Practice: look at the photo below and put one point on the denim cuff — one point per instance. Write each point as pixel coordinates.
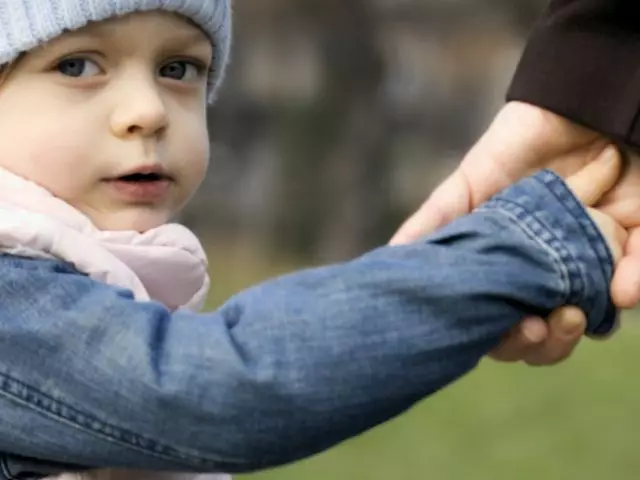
(549, 213)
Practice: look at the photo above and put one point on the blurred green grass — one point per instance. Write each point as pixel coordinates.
(575, 421)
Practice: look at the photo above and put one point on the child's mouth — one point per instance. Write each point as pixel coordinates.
(141, 187)
(142, 177)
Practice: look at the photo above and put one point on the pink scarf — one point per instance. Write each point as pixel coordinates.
(166, 264)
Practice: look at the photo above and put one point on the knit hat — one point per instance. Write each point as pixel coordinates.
(25, 24)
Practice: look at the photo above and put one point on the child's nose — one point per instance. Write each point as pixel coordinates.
(142, 114)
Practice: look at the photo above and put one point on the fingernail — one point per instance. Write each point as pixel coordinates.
(572, 326)
(609, 155)
(534, 331)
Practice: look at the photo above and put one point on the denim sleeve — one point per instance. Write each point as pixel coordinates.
(292, 366)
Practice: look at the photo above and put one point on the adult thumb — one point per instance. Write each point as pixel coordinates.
(593, 181)
(449, 200)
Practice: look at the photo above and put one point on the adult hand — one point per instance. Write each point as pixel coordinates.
(623, 205)
(521, 140)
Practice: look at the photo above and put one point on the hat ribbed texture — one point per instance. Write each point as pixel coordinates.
(25, 24)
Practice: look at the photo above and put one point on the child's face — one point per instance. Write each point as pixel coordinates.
(118, 97)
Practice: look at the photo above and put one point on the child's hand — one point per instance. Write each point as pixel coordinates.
(590, 185)
(554, 341)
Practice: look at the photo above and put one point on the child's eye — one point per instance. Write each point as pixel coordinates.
(181, 70)
(78, 68)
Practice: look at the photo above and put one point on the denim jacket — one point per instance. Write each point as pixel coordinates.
(292, 366)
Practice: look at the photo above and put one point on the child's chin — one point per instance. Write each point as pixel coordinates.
(130, 221)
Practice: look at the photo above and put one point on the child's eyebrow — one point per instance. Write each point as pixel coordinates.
(188, 38)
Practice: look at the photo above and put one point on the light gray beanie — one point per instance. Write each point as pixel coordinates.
(25, 24)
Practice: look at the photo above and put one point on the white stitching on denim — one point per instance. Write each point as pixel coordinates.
(557, 259)
(42, 403)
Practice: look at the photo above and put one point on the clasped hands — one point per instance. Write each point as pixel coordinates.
(521, 140)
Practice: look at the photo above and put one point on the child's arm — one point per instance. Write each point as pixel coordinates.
(292, 366)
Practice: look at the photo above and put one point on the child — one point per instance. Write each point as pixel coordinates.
(102, 361)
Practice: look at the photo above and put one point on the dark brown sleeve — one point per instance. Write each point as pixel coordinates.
(582, 61)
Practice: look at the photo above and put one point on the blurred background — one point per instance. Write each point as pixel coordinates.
(337, 119)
